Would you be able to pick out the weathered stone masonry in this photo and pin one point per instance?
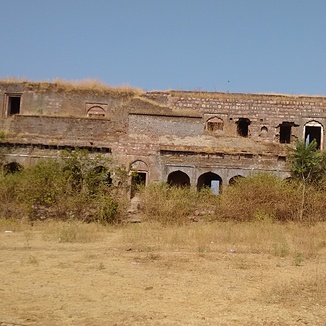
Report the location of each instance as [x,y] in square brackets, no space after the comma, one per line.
[173,136]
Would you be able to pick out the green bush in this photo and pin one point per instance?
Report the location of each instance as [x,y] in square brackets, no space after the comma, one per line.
[71,189]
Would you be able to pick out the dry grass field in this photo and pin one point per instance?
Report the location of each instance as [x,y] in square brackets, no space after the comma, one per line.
[219,273]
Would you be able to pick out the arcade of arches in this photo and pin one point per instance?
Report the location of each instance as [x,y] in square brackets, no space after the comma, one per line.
[206,180]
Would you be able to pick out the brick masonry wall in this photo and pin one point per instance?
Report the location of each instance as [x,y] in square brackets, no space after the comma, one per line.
[65,130]
[165,125]
[137,127]
[263,111]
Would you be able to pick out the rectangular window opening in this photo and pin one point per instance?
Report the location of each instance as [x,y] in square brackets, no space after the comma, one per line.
[13,105]
[285,133]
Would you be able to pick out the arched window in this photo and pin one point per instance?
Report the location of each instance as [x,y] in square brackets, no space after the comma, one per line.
[96,112]
[214,124]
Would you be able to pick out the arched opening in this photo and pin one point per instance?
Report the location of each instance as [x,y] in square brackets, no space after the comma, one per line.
[210,180]
[139,171]
[243,127]
[314,130]
[263,131]
[214,125]
[234,180]
[96,112]
[178,178]
[12,168]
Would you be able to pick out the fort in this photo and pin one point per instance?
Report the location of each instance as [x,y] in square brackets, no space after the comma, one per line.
[180,137]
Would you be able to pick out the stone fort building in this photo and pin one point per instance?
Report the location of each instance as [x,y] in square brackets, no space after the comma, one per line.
[180,137]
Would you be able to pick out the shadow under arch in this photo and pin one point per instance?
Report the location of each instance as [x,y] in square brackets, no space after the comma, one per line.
[12,167]
[179,179]
[206,181]
[235,179]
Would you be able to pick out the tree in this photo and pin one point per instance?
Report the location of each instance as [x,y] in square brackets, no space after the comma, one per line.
[308,167]
[306,162]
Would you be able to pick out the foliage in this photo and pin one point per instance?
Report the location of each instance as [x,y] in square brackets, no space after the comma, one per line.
[174,205]
[306,162]
[309,169]
[259,197]
[77,187]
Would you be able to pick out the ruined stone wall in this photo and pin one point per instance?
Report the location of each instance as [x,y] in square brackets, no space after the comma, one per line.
[46,99]
[159,132]
[264,111]
[62,130]
[165,125]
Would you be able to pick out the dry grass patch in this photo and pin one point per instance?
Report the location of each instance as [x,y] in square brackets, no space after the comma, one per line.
[74,231]
[300,242]
[310,288]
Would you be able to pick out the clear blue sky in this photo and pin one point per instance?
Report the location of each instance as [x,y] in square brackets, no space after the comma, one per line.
[247,46]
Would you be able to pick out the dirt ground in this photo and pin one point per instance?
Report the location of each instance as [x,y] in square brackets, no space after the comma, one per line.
[110,281]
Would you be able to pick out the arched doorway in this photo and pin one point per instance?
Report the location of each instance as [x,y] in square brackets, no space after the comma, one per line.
[178,178]
[210,180]
[139,171]
[314,130]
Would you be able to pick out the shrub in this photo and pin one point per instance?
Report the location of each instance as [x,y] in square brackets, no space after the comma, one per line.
[66,190]
[262,196]
[173,205]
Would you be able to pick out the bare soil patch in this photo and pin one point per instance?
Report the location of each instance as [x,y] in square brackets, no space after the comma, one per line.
[214,274]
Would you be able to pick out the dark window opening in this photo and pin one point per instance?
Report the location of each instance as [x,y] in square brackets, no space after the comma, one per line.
[281,158]
[285,133]
[138,180]
[313,132]
[243,127]
[179,179]
[13,105]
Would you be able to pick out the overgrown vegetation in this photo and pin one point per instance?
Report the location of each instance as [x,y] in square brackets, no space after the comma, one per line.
[170,205]
[78,187]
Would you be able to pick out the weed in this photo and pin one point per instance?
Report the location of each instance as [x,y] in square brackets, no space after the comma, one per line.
[33,260]
[281,249]
[27,237]
[298,259]
[73,231]
[100,266]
